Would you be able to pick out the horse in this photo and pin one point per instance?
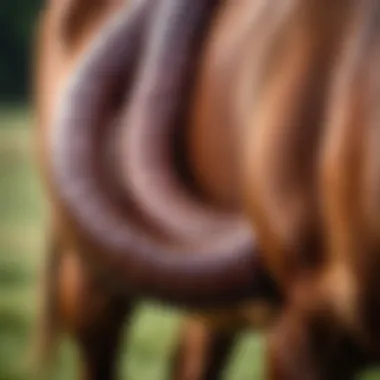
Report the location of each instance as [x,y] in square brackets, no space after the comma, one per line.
[207,219]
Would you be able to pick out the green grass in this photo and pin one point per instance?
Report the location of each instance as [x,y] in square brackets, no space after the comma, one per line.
[154,329]
[145,355]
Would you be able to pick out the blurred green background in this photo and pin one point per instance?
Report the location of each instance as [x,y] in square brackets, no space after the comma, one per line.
[22,237]
[17,18]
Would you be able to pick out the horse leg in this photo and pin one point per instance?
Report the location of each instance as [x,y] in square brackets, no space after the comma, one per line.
[313,346]
[93,315]
[202,352]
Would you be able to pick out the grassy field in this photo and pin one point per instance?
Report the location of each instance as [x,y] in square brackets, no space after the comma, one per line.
[21,241]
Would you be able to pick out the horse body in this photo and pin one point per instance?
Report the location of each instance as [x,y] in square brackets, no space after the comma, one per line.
[283,128]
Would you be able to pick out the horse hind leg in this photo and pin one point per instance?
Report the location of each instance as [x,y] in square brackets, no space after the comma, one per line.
[76,302]
[202,352]
[95,316]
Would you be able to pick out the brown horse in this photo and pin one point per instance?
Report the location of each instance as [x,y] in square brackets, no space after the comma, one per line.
[296,94]
[79,297]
